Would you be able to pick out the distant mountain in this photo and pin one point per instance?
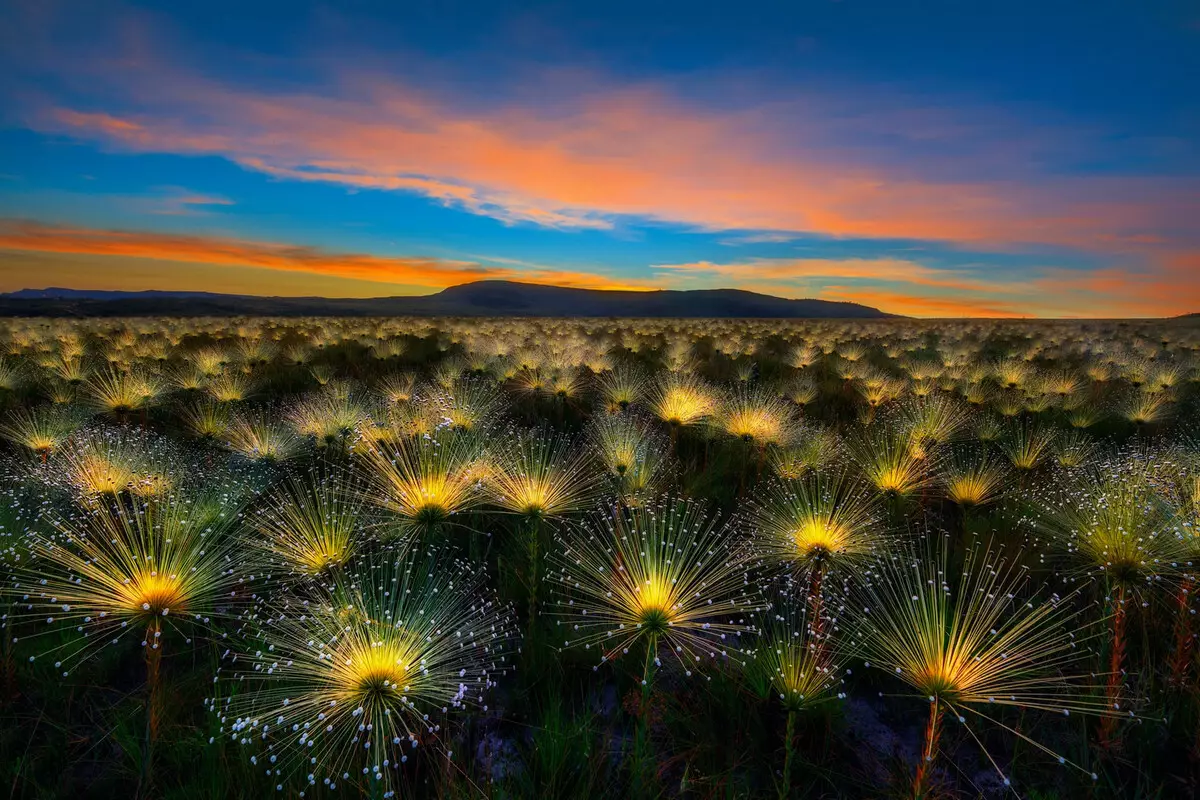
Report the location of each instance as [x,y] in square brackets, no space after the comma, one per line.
[482,298]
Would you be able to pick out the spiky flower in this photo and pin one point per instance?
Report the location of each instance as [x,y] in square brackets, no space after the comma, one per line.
[426,481]
[328,417]
[205,421]
[312,524]
[753,415]
[934,420]
[889,460]
[806,667]
[1147,409]
[973,481]
[229,387]
[621,387]
[1074,448]
[633,454]
[966,643]
[817,521]
[541,475]
[153,570]
[681,399]
[1027,446]
[808,449]
[118,392]
[259,437]
[104,463]
[469,404]
[11,375]
[39,431]
[397,388]
[341,689]
[1113,520]
[665,574]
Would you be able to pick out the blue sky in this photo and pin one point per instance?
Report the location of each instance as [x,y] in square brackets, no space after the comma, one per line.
[936,158]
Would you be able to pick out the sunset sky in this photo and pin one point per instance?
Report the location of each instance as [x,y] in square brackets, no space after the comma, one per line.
[941,158]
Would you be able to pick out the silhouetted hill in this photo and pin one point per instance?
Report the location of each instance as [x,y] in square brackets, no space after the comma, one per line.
[483,298]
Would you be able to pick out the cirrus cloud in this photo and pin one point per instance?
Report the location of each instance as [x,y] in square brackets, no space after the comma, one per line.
[413,271]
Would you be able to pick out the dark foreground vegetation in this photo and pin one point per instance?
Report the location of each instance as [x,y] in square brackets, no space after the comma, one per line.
[459,558]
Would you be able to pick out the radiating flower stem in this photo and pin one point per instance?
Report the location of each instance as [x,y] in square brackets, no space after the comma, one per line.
[153,706]
[789,752]
[642,756]
[929,752]
[1184,638]
[1116,661]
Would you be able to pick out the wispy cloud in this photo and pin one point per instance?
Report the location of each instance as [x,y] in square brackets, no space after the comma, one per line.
[1167,287]
[637,151]
[420,271]
[799,271]
[758,238]
[177,201]
[956,174]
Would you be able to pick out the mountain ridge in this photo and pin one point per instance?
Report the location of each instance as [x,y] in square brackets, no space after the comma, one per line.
[479,298]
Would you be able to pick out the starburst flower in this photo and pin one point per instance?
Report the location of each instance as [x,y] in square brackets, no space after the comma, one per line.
[934,420]
[341,689]
[541,475]
[803,665]
[71,370]
[971,481]
[1028,446]
[154,571]
[665,575]
[1011,373]
[11,375]
[328,417]
[1073,449]
[469,404]
[258,437]
[817,521]
[808,449]
[681,399]
[1147,409]
[892,464]
[118,392]
[311,524]
[801,390]
[40,431]
[633,455]
[1112,522]
[971,642]
[621,387]
[397,388]
[206,421]
[755,416]
[425,481]
[806,667]
[229,387]
[102,464]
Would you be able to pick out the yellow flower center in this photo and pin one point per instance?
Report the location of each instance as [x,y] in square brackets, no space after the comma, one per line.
[820,536]
[154,593]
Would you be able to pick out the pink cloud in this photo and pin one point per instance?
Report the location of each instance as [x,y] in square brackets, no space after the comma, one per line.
[610,152]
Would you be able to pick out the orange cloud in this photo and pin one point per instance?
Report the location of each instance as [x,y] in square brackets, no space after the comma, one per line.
[615,152]
[920,306]
[895,285]
[1170,286]
[432,273]
[774,270]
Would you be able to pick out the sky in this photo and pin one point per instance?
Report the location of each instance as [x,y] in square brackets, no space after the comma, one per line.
[938,158]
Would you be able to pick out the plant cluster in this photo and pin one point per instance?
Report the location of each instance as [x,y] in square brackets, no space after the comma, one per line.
[653,558]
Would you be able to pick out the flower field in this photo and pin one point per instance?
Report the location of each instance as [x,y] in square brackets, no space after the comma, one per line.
[561,558]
